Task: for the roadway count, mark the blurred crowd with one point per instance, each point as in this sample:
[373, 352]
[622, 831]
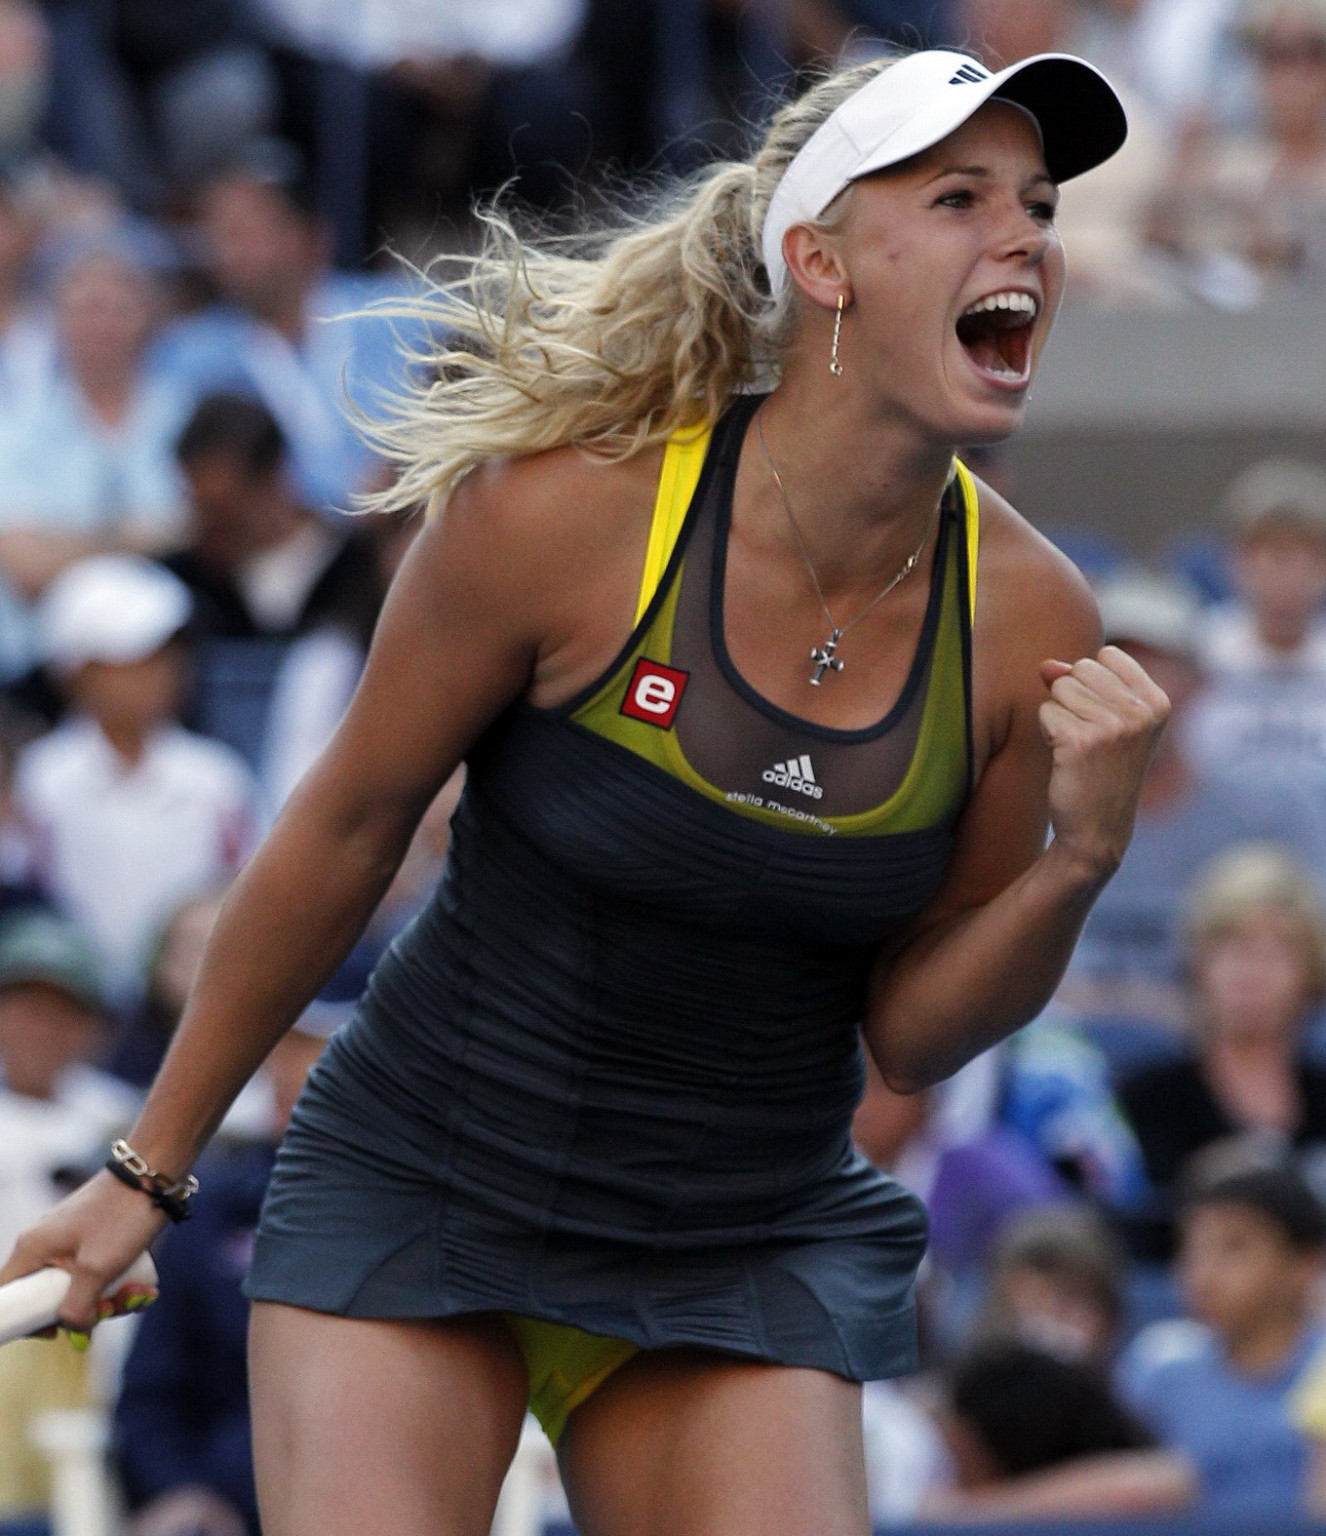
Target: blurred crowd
[201, 210]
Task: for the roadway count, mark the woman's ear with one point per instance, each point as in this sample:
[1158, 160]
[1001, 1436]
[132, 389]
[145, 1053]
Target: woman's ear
[815, 265]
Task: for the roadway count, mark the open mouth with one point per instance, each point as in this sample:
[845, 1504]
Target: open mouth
[996, 334]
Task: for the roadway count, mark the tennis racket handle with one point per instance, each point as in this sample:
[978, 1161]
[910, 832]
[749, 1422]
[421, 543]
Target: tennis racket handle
[33, 1302]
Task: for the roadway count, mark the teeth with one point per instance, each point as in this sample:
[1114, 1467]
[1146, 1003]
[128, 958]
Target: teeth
[1022, 303]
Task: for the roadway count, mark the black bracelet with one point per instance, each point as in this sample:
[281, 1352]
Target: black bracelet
[170, 1196]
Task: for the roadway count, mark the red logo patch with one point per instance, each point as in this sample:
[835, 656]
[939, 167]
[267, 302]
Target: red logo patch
[654, 693]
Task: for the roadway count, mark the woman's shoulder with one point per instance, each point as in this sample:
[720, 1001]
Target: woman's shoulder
[1013, 551]
[1032, 601]
[563, 501]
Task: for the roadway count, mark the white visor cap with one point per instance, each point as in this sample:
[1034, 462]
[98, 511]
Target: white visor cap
[913, 104]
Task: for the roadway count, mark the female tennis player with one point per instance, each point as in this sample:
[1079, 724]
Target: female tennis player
[752, 682]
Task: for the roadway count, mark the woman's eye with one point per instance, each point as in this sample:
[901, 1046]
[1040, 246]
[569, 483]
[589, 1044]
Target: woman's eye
[1043, 212]
[960, 199]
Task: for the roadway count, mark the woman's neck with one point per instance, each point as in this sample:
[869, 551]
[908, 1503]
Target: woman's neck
[863, 489]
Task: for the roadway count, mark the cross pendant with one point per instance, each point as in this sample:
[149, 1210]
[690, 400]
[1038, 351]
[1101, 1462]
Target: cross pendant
[824, 658]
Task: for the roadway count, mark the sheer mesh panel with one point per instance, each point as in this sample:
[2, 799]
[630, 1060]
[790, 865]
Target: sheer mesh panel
[746, 746]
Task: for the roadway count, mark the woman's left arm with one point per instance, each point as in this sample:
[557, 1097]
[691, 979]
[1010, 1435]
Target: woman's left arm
[989, 951]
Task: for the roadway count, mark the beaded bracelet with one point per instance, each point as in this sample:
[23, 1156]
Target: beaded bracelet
[169, 1195]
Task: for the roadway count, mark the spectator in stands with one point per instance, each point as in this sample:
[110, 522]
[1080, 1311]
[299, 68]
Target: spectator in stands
[128, 812]
[973, 1174]
[56, 1107]
[164, 93]
[1219, 1387]
[182, 1420]
[450, 101]
[57, 1113]
[289, 331]
[263, 569]
[86, 461]
[1244, 216]
[1180, 56]
[1033, 1436]
[1056, 1283]
[1257, 959]
[258, 560]
[1274, 515]
[1263, 716]
[1127, 968]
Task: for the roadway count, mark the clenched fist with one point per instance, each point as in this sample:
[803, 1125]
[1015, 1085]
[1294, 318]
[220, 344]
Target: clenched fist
[1100, 721]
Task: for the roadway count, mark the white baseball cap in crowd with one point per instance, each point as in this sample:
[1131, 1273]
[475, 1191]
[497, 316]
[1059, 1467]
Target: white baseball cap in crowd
[919, 100]
[117, 608]
[1160, 612]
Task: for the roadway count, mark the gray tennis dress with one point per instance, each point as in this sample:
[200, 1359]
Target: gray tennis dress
[607, 1077]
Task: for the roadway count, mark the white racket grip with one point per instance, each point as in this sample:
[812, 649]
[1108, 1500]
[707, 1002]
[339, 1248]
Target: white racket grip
[33, 1302]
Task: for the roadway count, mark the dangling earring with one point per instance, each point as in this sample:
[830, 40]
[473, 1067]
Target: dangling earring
[835, 367]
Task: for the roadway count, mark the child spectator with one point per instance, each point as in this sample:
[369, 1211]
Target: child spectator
[1219, 1386]
[1056, 1283]
[127, 811]
[1033, 1436]
[57, 1115]
[56, 1108]
[182, 1420]
[1127, 967]
[1264, 715]
[1257, 941]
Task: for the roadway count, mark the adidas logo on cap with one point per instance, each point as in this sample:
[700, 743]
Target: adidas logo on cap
[796, 773]
[970, 74]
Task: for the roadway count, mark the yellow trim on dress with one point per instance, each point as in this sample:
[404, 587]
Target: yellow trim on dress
[971, 501]
[683, 459]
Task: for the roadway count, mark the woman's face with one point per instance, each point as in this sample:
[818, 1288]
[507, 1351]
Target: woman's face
[1253, 981]
[955, 273]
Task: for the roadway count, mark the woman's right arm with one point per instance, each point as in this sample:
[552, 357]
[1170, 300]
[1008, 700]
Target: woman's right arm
[467, 624]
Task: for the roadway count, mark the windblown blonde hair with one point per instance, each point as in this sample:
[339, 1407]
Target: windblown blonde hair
[610, 340]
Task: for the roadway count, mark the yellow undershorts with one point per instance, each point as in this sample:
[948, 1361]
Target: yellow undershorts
[565, 1365]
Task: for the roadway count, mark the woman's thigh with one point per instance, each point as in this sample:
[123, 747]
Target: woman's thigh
[678, 1443]
[361, 1427]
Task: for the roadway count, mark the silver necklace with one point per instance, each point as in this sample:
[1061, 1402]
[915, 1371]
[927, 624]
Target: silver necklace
[825, 657]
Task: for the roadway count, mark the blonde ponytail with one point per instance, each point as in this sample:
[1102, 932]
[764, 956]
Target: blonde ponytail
[608, 341]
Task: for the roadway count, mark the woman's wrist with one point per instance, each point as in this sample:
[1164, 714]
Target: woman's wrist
[1078, 872]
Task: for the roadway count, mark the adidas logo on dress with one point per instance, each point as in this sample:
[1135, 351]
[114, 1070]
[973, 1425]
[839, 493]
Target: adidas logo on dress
[796, 773]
